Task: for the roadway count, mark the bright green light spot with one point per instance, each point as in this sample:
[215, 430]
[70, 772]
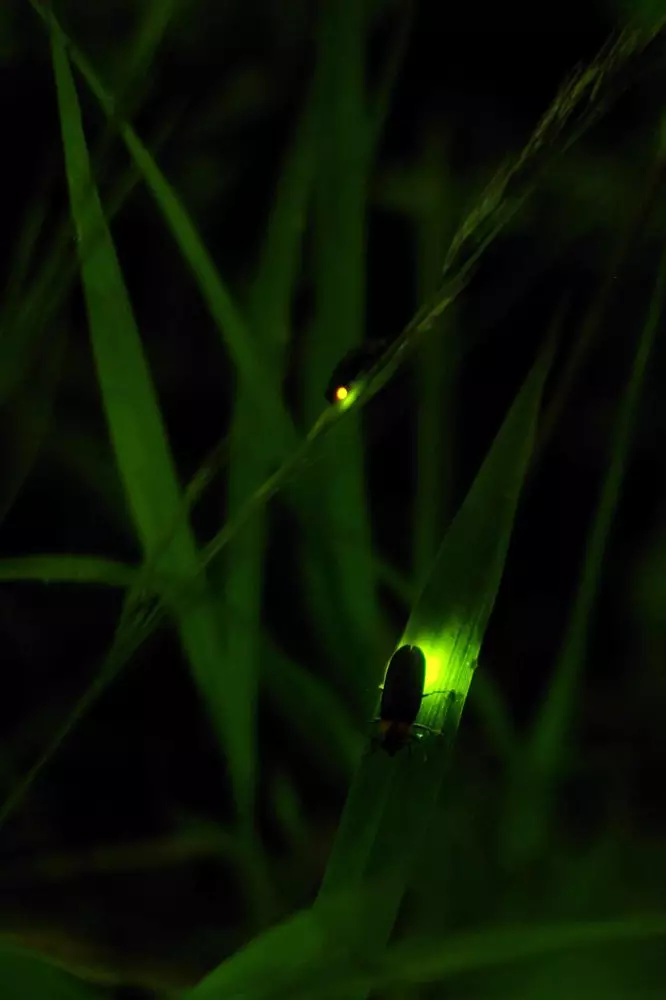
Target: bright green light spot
[341, 393]
[437, 651]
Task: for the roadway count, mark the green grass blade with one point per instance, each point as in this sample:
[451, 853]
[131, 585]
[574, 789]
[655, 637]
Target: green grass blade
[391, 799]
[136, 427]
[551, 735]
[217, 296]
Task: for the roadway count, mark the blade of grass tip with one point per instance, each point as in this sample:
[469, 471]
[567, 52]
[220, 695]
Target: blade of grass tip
[530, 809]
[221, 305]
[485, 697]
[391, 800]
[252, 450]
[341, 583]
[135, 424]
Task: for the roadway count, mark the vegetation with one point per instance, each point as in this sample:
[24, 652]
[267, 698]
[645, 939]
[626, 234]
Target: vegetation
[195, 798]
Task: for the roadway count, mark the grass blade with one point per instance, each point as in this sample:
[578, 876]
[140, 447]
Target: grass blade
[135, 423]
[390, 800]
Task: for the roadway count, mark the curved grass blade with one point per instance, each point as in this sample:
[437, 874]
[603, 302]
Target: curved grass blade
[391, 799]
[136, 427]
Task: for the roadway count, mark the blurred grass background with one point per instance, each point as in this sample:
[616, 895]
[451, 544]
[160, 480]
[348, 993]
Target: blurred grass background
[312, 164]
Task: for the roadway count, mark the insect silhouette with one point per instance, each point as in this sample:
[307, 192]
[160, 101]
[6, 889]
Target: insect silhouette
[401, 699]
[355, 364]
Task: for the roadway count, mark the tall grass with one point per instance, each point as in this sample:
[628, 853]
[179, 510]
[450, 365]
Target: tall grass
[212, 590]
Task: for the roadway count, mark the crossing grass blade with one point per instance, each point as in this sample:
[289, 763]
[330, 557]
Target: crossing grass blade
[391, 799]
[135, 424]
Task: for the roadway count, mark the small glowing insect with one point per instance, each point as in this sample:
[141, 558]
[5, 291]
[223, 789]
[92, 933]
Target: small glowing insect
[401, 699]
[355, 364]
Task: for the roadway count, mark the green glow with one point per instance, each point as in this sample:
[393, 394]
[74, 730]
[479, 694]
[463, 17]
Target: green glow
[438, 656]
[449, 668]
